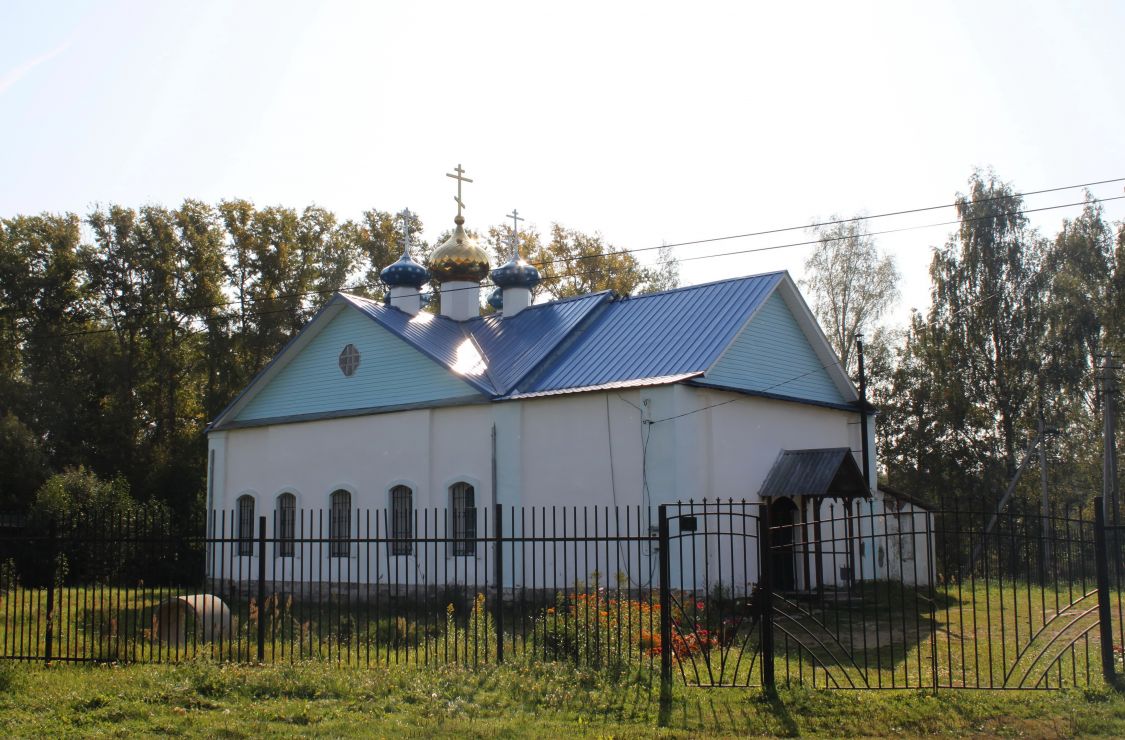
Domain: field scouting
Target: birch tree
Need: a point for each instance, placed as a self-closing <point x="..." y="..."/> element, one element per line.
<point x="851" y="284"/>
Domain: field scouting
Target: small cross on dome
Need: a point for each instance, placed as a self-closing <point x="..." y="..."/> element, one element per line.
<point x="516" y="218"/>
<point x="406" y="216"/>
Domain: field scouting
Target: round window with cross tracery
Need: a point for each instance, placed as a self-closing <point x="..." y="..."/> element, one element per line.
<point x="349" y="360"/>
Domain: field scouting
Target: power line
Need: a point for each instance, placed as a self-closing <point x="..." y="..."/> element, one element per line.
<point x="885" y="214"/>
<point x="561" y="276"/>
<point x="873" y="233"/>
<point x="693" y="242"/>
<point x="788" y="245"/>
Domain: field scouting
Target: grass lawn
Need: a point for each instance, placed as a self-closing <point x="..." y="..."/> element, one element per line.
<point x="1004" y="634"/>
<point x="541" y="699"/>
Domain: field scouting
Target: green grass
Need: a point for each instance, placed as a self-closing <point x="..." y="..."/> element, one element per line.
<point x="1006" y="634"/>
<point x="969" y="635"/>
<point x="542" y="700"/>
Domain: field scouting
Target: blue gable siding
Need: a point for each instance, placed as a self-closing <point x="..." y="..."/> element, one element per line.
<point x="390" y="373"/>
<point x="773" y="355"/>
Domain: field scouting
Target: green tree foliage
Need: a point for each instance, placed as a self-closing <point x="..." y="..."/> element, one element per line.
<point x="573" y="263"/>
<point x="968" y="376"/>
<point x="78" y="495"/>
<point x="284" y="265"/>
<point x="47" y="378"/>
<point x="75" y="506"/>
<point x="23" y="463"/>
<point x="989" y="306"/>
<point x="1014" y="327"/>
<point x="123" y="341"/>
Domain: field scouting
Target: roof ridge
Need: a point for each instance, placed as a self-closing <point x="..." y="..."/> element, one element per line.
<point x="595" y="314"/>
<point x="569" y="298"/>
<point x="704" y="285"/>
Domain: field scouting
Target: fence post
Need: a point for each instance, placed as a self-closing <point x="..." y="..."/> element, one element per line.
<point x="665" y="604"/>
<point x="1101" y="555"/>
<point x="261" y="589"/>
<point x="498" y="608"/>
<point x="765" y="596"/>
<point x="52" y="565"/>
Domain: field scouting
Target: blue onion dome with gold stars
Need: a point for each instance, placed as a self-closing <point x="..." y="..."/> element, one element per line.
<point x="496" y="299"/>
<point x="459" y="258"/>
<point x="406" y="273"/>
<point x="516" y="273"/>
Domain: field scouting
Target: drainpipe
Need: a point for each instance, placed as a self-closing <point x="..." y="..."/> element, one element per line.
<point x="495" y="494"/>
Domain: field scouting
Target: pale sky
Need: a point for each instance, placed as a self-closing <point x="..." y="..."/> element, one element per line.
<point x="646" y="122"/>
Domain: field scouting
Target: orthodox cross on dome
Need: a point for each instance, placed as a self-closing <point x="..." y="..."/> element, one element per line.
<point x="516" y="218"/>
<point x="406" y="215"/>
<point x="460" y="178"/>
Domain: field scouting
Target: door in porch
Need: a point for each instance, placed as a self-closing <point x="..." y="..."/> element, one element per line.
<point x="783" y="528"/>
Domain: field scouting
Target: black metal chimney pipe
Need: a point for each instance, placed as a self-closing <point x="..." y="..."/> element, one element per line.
<point x="863" y="409"/>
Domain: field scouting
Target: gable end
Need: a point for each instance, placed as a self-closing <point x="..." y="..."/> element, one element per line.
<point x="390" y="373"/>
<point x="774" y="355"/>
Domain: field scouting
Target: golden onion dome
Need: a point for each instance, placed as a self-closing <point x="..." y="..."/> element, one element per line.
<point x="459" y="258"/>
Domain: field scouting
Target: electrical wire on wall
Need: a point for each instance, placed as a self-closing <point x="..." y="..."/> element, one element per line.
<point x="645" y="498"/>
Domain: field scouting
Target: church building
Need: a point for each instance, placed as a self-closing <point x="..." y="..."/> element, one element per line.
<point x="724" y="390"/>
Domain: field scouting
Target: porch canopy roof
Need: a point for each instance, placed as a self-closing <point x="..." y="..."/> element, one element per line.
<point x="829" y="471"/>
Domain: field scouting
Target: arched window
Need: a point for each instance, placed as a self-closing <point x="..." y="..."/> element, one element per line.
<point x="286" y="522"/>
<point x="462" y="499"/>
<point x="245" y="524"/>
<point x="340" y="524"/>
<point x="402" y="516"/>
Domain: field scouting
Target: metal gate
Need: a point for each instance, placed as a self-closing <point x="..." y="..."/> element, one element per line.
<point x="868" y="594"/>
<point x="1111" y="588"/>
<point x="710" y="606"/>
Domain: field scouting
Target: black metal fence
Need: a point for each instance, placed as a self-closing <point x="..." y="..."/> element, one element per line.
<point x="840" y="594"/>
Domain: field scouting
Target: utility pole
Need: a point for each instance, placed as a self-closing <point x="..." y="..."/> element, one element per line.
<point x="1046" y="545"/>
<point x="1109" y="447"/>
<point x="982" y="541"/>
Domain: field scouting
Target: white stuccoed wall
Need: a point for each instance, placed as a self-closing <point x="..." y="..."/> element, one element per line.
<point x="552" y="451"/>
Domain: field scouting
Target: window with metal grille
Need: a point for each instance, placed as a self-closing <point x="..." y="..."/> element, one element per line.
<point x="402" y="514"/>
<point x="246" y="525"/>
<point x="463" y="505"/>
<point x="340" y="525"/>
<point x="286" y="524"/>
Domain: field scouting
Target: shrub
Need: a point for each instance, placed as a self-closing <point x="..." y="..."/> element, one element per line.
<point x="79" y="509"/>
<point x="612" y="630"/>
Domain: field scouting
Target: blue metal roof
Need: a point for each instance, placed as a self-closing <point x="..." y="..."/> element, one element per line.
<point x="657" y="335"/>
<point x="508" y="348"/>
<point x="515" y="346"/>
<point x="673" y="333"/>
<point x="596" y="341"/>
